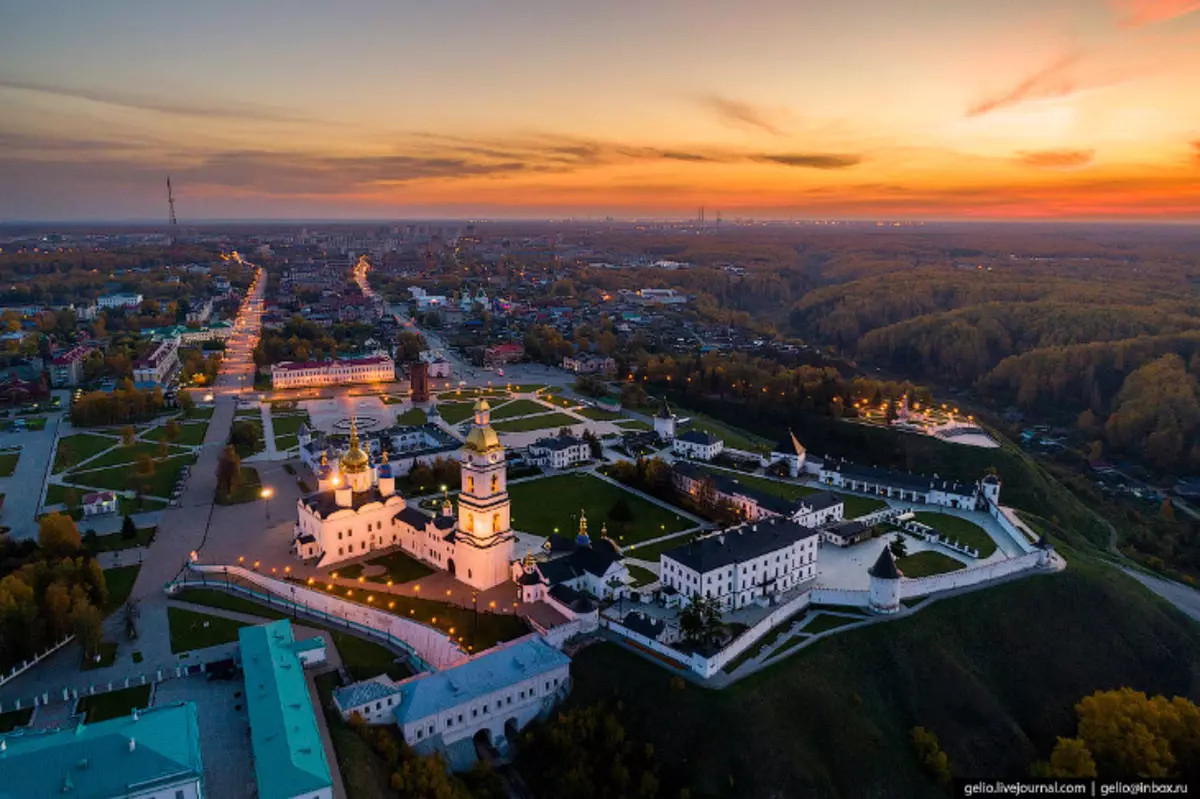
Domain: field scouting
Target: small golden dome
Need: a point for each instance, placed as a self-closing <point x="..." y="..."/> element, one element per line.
<point x="482" y="439"/>
<point x="355" y="460"/>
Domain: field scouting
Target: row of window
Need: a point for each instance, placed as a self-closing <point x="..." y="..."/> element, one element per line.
<point x="500" y="704"/>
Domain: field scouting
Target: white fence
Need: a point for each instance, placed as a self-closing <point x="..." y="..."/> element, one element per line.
<point x="1007" y="519"/>
<point x="17" y="671"/>
<point x="753" y="634"/>
<point x="432" y="646"/>
<point x="839" y="596"/>
<point x="962" y="578"/>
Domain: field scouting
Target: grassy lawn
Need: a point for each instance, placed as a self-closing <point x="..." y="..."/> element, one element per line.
<point x="632" y="424"/>
<point x="520" y="407"/>
<point x="527" y="388"/>
<point x="732" y="436"/>
<point x="120" y="585"/>
<point x="641" y="576"/>
<point x="123" y="455"/>
<point x="455" y="412"/>
<point x="601" y="415"/>
<point x="541" y="422"/>
<point x="248" y="491"/>
<point x="15" y="718"/>
<point x="763" y="643"/>
<point x="122" y="478"/>
<point x="213" y="598"/>
<point x="114" y="704"/>
<point x="772" y="487"/>
<point x="8" y="463"/>
<point x="73" y="449"/>
<point x="860" y="506"/>
<point x="115" y="541"/>
<point x="108" y="654"/>
<point x="200" y="412"/>
<point x="966" y="531"/>
<point x="924" y="564"/>
<point x="191" y="435"/>
<point x="541" y="506"/>
<point x="413" y="416"/>
<point x="400" y="568"/>
<point x="822" y="622"/>
<point x="288" y="424"/>
<point x="652" y="551"/>
<point x="188" y="630"/>
<point x="286" y="442"/>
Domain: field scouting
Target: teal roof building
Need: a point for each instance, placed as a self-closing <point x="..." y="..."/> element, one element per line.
<point x="289" y="757"/>
<point x="151" y="752"/>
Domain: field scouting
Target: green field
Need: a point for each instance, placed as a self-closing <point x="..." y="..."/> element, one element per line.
<point x="288" y="424"/>
<point x="542" y="506"/>
<point x="964" y="530"/>
<point x="732" y="436"/>
<point x="400" y="568"/>
<point x="8" y="463"/>
<point x="651" y="552"/>
<point x="124" y="456"/>
<point x="114" y="704"/>
<point x="641" y="576"/>
<point x="601" y="415"/>
<point x="413" y="416"/>
<point x="856" y="506"/>
<point x="633" y="425"/>
<point x="820" y="622"/>
<point x="123" y="478"/>
<point x="996" y="692"/>
<point x="190" y="434"/>
<point x="191" y="630"/>
<point x="520" y="407"/>
<point x="74" y="449"/>
<point x="120" y="585"/>
<point x="541" y="422"/>
<point x="924" y="564"/>
<point x="286" y="442"/>
<point x="455" y="412"/>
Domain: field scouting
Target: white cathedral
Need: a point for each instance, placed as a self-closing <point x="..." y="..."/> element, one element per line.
<point x="356" y="510"/>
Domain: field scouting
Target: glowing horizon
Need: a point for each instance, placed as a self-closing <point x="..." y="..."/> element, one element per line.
<point x="1055" y="109"/>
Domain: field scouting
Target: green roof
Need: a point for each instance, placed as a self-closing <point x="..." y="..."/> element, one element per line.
<point x="289" y="757"/>
<point x="99" y="760"/>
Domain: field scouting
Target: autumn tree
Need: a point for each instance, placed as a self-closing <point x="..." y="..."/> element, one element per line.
<point x="58" y="535"/>
<point x="929" y="752"/>
<point x="229" y="470"/>
<point x="171" y="431"/>
<point x="88" y="624"/>
<point x="128" y="436"/>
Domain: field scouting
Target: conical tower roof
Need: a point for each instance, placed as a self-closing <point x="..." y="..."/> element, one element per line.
<point x="664" y="412"/>
<point x="885" y="566"/>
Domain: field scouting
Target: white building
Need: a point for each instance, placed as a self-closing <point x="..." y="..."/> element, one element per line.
<point x="697" y="444"/>
<point x="159" y="364"/>
<point x="375" y="700"/>
<point x="589" y="364"/>
<point x="559" y="452"/>
<point x="908" y="487"/>
<point x="200" y="310"/>
<point x="497" y="692"/>
<point x="752" y="503"/>
<point x="439" y="369"/>
<point x="119" y="301"/>
<point x="661" y="297"/>
<point x="739" y="565"/>
<point x="66" y="369"/>
<point x="792" y="453"/>
<point x="100" y="503"/>
<point x="371" y="369"/>
<point x="595" y="569"/>
<point x="664" y="422"/>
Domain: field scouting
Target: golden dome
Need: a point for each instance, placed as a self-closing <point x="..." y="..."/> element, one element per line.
<point x="355" y="460"/>
<point x="482" y="439"/>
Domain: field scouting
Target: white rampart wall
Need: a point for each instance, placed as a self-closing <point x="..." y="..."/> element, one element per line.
<point x="751" y="635"/>
<point x="1007" y="519"/>
<point x="924" y="586"/>
<point x="839" y="596"/>
<point x="434" y="647"/>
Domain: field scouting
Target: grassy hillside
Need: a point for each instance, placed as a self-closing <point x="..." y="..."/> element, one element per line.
<point x="995" y="674"/>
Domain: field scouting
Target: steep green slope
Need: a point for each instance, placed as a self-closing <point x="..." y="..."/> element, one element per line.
<point x="995" y="674"/>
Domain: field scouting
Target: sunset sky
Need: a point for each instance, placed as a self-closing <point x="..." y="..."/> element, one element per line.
<point x="550" y="108"/>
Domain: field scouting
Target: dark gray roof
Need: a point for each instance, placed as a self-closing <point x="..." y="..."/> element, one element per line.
<point x="644" y="625"/>
<point x="587" y="559"/>
<point x="698" y="437"/>
<point x="908" y="480"/>
<point x="885" y="566"/>
<point x="738" y="544"/>
<point x="724" y="484"/>
<point x="557" y="442"/>
<point x="572" y="599"/>
<point x="413" y="517"/>
<point x="444" y="522"/>
<point x="847" y="529"/>
<point x="664" y="411"/>
<point x="822" y="500"/>
<point x="325" y="502"/>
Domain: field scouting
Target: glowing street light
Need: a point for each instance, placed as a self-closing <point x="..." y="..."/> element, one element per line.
<point x="266" y="493"/>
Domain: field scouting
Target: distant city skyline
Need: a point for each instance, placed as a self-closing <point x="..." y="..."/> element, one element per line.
<point x="1030" y="109"/>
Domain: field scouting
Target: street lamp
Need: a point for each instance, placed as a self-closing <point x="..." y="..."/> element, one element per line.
<point x="266" y="494"/>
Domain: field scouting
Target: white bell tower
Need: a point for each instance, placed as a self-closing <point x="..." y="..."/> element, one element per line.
<point x="484" y="542"/>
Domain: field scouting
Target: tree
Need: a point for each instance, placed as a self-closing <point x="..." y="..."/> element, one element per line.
<point x="245" y="436"/>
<point x="171" y="431"/>
<point x="186" y="403"/>
<point x="691" y="621"/>
<point x="58" y="535"/>
<point x="143" y="465"/>
<point x="1070" y="758"/>
<point x="1132" y="735"/>
<point x="899" y="546"/>
<point x="420" y="475"/>
<point x="88" y="624"/>
<point x="593" y="441"/>
<point x="229" y="471"/>
<point x="128" y="528"/>
<point x="930" y="755"/>
<point x="128" y="436"/>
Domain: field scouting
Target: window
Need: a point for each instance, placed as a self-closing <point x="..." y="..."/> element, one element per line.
<point x="474" y="712"/>
<point x="485" y="707"/>
<point x="495" y="483"/>
<point x="470" y="485"/>
<point x="378" y="705"/>
<point x="420" y="734"/>
<point x="340" y="551"/>
<point x="339" y="536"/>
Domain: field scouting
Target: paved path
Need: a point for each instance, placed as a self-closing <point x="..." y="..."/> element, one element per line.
<point x="1181" y="596"/>
<point x="23" y="490"/>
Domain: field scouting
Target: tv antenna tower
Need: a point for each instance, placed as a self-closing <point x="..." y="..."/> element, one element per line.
<point x="171" y="207"/>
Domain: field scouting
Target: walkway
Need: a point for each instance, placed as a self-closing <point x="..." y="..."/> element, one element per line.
<point x="23" y="490"/>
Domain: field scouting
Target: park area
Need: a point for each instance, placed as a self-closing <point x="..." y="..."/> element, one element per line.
<point x="927" y="564"/>
<point x="542" y="421"/>
<point x="959" y="529"/>
<point x="543" y="507"/>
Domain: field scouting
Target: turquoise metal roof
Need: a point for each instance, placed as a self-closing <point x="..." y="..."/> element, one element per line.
<point x="95" y="760"/>
<point x="360" y="693"/>
<point x="497" y="668"/>
<point x="289" y="758"/>
<point x="316" y="642"/>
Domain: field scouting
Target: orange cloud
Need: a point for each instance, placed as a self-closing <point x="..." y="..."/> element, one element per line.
<point x="1196" y="147"/>
<point x="1137" y="13"/>
<point x="1056" y="159"/>
<point x="1053" y="80"/>
<point x="738" y="113"/>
